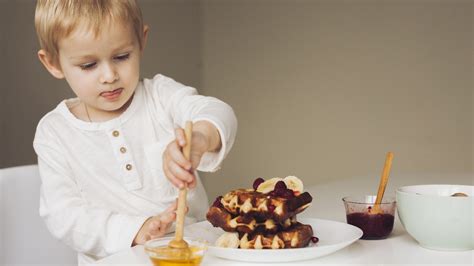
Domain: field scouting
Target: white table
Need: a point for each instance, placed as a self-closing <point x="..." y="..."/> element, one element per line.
<point x="398" y="248"/>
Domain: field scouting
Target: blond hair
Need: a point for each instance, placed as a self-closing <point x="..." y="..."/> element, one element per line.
<point x="56" y="19"/>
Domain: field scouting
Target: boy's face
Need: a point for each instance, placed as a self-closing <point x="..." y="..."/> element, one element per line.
<point x="102" y="70"/>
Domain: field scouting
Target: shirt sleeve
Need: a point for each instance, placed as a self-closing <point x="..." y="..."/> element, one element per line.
<point x="182" y="103"/>
<point x="69" y="218"/>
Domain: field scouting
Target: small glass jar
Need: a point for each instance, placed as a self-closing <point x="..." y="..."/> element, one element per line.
<point x="375" y="222"/>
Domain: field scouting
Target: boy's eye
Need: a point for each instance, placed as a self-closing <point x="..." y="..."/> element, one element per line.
<point x="122" y="57"/>
<point x="88" y="66"/>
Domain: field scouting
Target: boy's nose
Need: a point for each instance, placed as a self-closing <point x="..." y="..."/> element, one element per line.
<point x="109" y="74"/>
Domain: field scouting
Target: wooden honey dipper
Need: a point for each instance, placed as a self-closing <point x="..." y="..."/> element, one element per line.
<point x="178" y="242"/>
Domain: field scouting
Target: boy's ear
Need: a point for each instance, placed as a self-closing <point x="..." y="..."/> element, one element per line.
<point x="52" y="67"/>
<point x="145" y="38"/>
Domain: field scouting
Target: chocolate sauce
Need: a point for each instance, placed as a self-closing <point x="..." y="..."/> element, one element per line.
<point x="217" y="202"/>
<point x="374" y="226"/>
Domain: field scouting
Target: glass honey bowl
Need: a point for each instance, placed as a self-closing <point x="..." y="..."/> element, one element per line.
<point x="162" y="255"/>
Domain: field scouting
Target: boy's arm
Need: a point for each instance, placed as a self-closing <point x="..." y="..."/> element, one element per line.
<point x="182" y="103"/>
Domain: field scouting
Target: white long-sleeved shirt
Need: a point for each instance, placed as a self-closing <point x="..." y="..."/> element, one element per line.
<point x="101" y="181"/>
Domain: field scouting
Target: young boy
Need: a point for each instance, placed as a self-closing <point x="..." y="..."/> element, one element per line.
<point x="111" y="159"/>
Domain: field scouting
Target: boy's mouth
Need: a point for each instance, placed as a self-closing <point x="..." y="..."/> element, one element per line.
<point x="112" y="95"/>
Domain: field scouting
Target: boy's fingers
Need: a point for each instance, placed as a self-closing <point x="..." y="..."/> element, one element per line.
<point x="180" y="173"/>
<point x="192" y="184"/>
<point x="172" y="207"/>
<point x="155" y="224"/>
<point x="165" y="222"/>
<point x="180" y="138"/>
<point x="167" y="218"/>
<point x="175" y="205"/>
<point x="164" y="228"/>
<point x="173" y="179"/>
<point x="177" y="156"/>
<point x="154" y="227"/>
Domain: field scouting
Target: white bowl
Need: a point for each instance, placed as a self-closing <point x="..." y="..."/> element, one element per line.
<point x="436" y="219"/>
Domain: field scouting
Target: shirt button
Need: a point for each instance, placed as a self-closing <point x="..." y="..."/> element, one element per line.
<point x="123" y="149"/>
<point x="115" y="133"/>
<point x="128" y="167"/>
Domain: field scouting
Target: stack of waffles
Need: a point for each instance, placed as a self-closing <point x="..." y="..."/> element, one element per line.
<point x="263" y="217"/>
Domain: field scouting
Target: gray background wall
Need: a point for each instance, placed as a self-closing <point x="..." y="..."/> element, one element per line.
<point x="322" y="89"/>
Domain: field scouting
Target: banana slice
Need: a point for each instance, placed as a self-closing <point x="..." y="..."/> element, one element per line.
<point x="294" y="183"/>
<point x="268" y="185"/>
<point x="228" y="240"/>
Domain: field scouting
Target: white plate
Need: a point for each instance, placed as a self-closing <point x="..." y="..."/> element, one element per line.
<point x="332" y="235"/>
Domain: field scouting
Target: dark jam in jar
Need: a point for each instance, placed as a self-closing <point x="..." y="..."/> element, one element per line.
<point x="374" y="226"/>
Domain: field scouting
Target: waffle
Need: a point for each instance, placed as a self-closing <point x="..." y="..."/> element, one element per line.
<point x="296" y="236"/>
<point x="263" y="217"/>
<point x="248" y="202"/>
<point x="219" y="217"/>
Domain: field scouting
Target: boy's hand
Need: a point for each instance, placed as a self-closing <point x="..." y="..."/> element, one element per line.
<point x="156" y="226"/>
<point x="177" y="169"/>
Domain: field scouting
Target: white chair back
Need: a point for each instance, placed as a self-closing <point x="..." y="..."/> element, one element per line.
<point x="24" y="238"/>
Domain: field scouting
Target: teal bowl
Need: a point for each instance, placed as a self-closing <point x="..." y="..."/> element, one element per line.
<point x="436" y="219"/>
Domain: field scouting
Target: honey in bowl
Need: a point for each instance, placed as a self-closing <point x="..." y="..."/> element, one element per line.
<point x="162" y="255"/>
<point x="166" y="256"/>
